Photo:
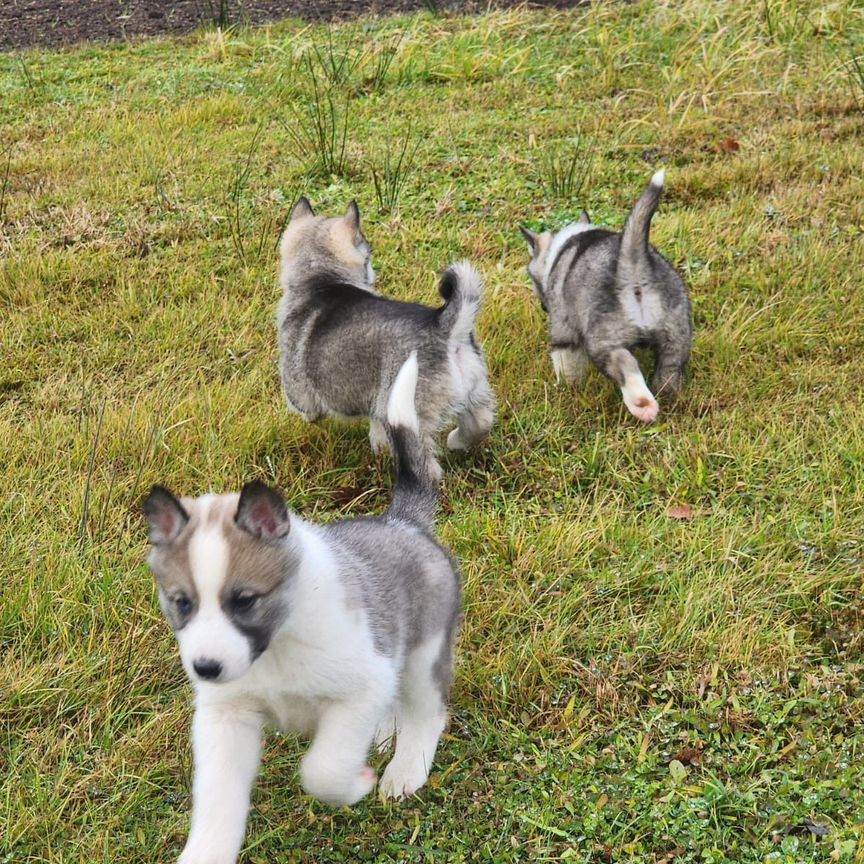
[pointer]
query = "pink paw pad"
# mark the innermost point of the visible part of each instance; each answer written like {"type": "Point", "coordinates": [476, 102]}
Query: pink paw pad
{"type": "Point", "coordinates": [644, 408]}
{"type": "Point", "coordinates": [368, 774]}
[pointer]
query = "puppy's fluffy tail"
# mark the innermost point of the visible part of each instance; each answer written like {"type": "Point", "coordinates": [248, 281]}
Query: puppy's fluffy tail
{"type": "Point", "coordinates": [634, 241]}
{"type": "Point", "coordinates": [415, 494]}
{"type": "Point", "coordinates": [461, 289]}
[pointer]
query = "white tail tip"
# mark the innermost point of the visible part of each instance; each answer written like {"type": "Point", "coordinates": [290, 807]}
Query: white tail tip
{"type": "Point", "coordinates": [401, 406]}
{"type": "Point", "coordinates": [659, 178]}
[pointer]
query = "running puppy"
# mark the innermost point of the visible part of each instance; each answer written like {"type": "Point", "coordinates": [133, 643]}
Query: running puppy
{"type": "Point", "coordinates": [343, 632]}
{"type": "Point", "coordinates": [341, 344]}
{"type": "Point", "coordinates": [606, 294]}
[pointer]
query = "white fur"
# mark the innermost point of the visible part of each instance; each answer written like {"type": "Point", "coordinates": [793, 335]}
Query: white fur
{"type": "Point", "coordinates": [227, 746]}
{"type": "Point", "coordinates": [210, 635]}
{"type": "Point", "coordinates": [401, 408]}
{"type": "Point", "coordinates": [321, 674]}
{"type": "Point", "coordinates": [658, 178]}
{"type": "Point", "coordinates": [419, 723]}
{"type": "Point", "coordinates": [558, 242]}
{"type": "Point", "coordinates": [638, 398]}
{"type": "Point", "coordinates": [569, 363]}
{"type": "Point", "coordinates": [471, 398]}
{"type": "Point", "coordinates": [645, 312]}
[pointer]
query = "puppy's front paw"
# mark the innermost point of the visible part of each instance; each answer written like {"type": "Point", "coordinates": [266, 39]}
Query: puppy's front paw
{"type": "Point", "coordinates": [199, 853]}
{"type": "Point", "coordinates": [332, 787]}
{"type": "Point", "coordinates": [401, 780]}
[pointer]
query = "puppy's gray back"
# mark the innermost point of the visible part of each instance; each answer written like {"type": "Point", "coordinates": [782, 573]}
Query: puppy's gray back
{"type": "Point", "coordinates": [341, 349]}
{"type": "Point", "coordinates": [407, 584]}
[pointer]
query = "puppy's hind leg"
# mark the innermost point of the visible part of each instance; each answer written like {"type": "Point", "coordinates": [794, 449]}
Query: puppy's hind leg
{"type": "Point", "coordinates": [377, 435]}
{"type": "Point", "coordinates": [671, 361]}
{"type": "Point", "coordinates": [476, 418]}
{"type": "Point", "coordinates": [422, 717]}
{"type": "Point", "coordinates": [621, 366]}
{"type": "Point", "coordinates": [570, 362]}
{"type": "Point", "coordinates": [470, 395]}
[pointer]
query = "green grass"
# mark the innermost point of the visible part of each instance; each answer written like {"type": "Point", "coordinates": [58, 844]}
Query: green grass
{"type": "Point", "coordinates": [146, 187]}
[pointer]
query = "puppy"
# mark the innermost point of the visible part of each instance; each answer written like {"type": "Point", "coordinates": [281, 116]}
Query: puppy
{"type": "Point", "coordinates": [342, 631]}
{"type": "Point", "coordinates": [606, 294]}
{"type": "Point", "coordinates": [341, 344]}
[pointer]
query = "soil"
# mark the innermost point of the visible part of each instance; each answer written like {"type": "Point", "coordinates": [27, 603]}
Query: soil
{"type": "Point", "coordinates": [54, 23]}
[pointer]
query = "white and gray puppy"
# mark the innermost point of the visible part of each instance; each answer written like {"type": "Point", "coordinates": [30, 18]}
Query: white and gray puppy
{"type": "Point", "coordinates": [341, 344]}
{"type": "Point", "coordinates": [343, 632]}
{"type": "Point", "coordinates": [606, 294]}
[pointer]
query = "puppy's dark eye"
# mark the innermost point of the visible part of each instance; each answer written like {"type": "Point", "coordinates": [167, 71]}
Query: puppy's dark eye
{"type": "Point", "coordinates": [243, 601]}
{"type": "Point", "coordinates": [183, 604]}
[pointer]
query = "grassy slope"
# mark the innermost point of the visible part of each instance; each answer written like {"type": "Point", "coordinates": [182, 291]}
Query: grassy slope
{"type": "Point", "coordinates": [600, 635]}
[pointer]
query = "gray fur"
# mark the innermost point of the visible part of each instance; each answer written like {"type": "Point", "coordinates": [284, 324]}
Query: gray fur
{"type": "Point", "coordinates": [405, 581]}
{"type": "Point", "coordinates": [607, 294]}
{"type": "Point", "coordinates": [341, 345]}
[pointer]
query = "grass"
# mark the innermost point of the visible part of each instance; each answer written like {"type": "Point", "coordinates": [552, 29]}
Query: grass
{"type": "Point", "coordinates": [565, 169]}
{"type": "Point", "coordinates": [605, 642]}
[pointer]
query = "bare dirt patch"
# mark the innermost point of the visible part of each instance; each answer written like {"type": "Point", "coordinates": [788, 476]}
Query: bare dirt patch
{"type": "Point", "coordinates": [55, 23]}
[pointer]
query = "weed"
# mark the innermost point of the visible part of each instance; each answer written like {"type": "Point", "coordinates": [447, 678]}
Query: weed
{"type": "Point", "coordinates": [565, 168]}
{"type": "Point", "coordinates": [391, 170]}
{"type": "Point", "coordinates": [318, 134]}
{"type": "Point", "coordinates": [337, 58]}
{"type": "Point", "coordinates": [29, 80]}
{"type": "Point", "coordinates": [4, 185]}
{"type": "Point", "coordinates": [852, 65]}
{"type": "Point", "coordinates": [379, 59]}
{"type": "Point", "coordinates": [235, 196]}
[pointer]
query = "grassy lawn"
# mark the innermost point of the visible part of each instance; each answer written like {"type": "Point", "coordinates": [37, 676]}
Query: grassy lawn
{"type": "Point", "coordinates": [631, 686]}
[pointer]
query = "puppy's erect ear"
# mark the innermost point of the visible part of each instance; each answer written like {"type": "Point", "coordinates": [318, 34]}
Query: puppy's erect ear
{"type": "Point", "coordinates": [584, 218]}
{"type": "Point", "coordinates": [302, 209]}
{"type": "Point", "coordinates": [352, 220]}
{"type": "Point", "coordinates": [531, 238]}
{"type": "Point", "coordinates": [166, 517]}
{"type": "Point", "coordinates": [261, 512]}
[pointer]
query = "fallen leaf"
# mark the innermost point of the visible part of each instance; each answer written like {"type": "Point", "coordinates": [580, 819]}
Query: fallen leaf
{"type": "Point", "coordinates": [643, 747]}
{"type": "Point", "coordinates": [689, 756]}
{"type": "Point", "coordinates": [677, 771]}
{"type": "Point", "coordinates": [808, 826]}
{"type": "Point", "coordinates": [680, 511]}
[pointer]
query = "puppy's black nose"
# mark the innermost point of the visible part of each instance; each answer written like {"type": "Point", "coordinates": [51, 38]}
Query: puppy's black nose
{"type": "Point", "coordinates": [209, 670]}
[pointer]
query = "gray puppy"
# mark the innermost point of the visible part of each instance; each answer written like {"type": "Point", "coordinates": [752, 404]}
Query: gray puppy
{"type": "Point", "coordinates": [343, 632]}
{"type": "Point", "coordinates": [606, 294]}
{"type": "Point", "coordinates": [342, 344]}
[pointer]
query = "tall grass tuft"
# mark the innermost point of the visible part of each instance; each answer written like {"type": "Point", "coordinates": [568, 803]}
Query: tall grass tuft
{"type": "Point", "coordinates": [236, 192]}
{"type": "Point", "coordinates": [565, 168]}
{"type": "Point", "coordinates": [390, 172]}
{"type": "Point", "coordinates": [852, 64]}
{"type": "Point", "coordinates": [338, 60]}
{"type": "Point", "coordinates": [4, 185]}
{"type": "Point", "coordinates": [379, 59]}
{"type": "Point", "coordinates": [318, 131]}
